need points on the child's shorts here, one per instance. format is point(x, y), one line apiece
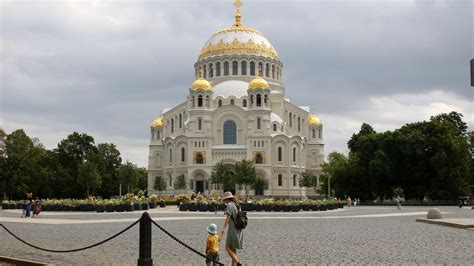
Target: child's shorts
point(212, 256)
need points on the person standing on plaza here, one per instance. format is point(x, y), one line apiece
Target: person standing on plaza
point(37, 208)
point(235, 237)
point(399, 203)
point(349, 201)
point(212, 245)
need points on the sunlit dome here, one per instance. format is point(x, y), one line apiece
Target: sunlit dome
point(201, 84)
point(314, 120)
point(258, 83)
point(157, 122)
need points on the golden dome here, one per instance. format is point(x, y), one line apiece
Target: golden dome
point(314, 120)
point(238, 39)
point(201, 84)
point(157, 122)
point(258, 83)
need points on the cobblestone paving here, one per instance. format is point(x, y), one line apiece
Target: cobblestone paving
point(343, 239)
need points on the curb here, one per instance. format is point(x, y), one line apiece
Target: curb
point(22, 262)
point(448, 222)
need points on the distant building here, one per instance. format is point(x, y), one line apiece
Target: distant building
point(2, 141)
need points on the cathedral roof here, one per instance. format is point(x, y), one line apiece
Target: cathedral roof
point(238, 39)
point(228, 88)
point(275, 118)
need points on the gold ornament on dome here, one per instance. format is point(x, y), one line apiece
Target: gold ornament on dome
point(236, 47)
point(157, 122)
point(201, 84)
point(314, 120)
point(258, 82)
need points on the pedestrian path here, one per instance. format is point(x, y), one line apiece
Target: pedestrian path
point(209, 216)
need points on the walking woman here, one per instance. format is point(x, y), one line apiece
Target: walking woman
point(235, 237)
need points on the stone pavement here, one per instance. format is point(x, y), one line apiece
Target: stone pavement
point(361, 235)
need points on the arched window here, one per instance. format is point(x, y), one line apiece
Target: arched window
point(294, 154)
point(280, 180)
point(259, 158)
point(194, 101)
point(259, 100)
point(299, 124)
point(294, 180)
point(232, 102)
point(230, 132)
point(218, 69)
point(243, 68)
point(258, 123)
point(290, 116)
point(180, 120)
point(204, 70)
point(280, 154)
point(183, 155)
point(158, 135)
point(199, 124)
point(171, 180)
point(260, 69)
point(252, 68)
point(320, 133)
point(199, 158)
point(267, 70)
point(200, 101)
point(172, 125)
point(274, 127)
point(211, 70)
point(314, 133)
point(171, 155)
point(244, 103)
point(226, 68)
point(273, 71)
point(235, 68)
point(219, 103)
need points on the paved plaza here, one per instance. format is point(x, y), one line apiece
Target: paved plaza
point(361, 235)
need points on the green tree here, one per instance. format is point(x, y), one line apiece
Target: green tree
point(245, 174)
point(19, 168)
point(260, 185)
point(180, 183)
point(108, 160)
point(72, 152)
point(222, 175)
point(89, 177)
point(160, 184)
point(335, 175)
point(142, 175)
point(127, 175)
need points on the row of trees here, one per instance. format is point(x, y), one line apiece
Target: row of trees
point(74, 169)
point(429, 158)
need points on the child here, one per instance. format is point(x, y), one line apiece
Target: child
point(212, 245)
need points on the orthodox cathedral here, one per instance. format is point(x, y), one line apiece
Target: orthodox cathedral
point(236, 110)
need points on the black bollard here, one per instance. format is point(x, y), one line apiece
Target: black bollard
point(144, 258)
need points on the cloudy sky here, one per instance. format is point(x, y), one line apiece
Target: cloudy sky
point(107, 68)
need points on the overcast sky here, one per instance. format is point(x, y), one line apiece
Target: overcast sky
point(107, 68)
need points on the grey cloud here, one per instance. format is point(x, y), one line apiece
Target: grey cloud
point(111, 68)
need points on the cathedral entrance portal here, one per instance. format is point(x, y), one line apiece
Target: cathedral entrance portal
point(199, 183)
point(200, 186)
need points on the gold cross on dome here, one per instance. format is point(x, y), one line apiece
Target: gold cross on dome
point(238, 4)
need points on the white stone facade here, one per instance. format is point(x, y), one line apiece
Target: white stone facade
point(232, 122)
